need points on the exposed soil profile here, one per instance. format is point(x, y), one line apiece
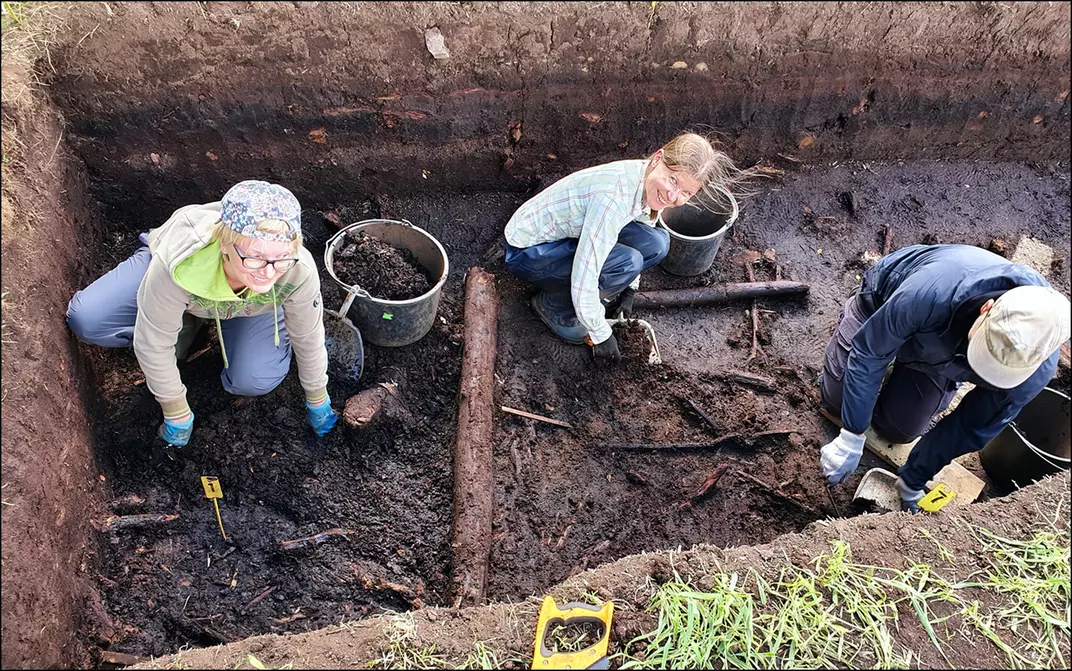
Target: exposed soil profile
point(386, 272)
point(876, 127)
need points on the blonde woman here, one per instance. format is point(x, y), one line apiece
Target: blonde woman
point(585, 239)
point(238, 262)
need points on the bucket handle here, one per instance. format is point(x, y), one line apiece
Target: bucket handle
point(1038, 452)
point(351, 294)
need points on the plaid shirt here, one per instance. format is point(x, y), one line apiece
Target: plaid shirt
point(592, 205)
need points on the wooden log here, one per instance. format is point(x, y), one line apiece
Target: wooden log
point(765, 383)
point(474, 485)
point(718, 293)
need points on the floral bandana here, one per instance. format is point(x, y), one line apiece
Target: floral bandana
point(248, 203)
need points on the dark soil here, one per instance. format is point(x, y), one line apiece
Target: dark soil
point(633, 343)
point(564, 501)
point(384, 271)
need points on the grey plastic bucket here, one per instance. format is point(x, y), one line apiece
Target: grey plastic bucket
point(392, 323)
point(696, 233)
point(1035, 444)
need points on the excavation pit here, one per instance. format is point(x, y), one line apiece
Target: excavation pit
point(455, 147)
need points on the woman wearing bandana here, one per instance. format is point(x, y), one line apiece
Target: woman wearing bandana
point(238, 262)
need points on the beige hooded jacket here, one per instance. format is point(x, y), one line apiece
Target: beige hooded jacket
point(181, 280)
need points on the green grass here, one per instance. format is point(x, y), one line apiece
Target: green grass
point(483, 657)
point(845, 614)
point(403, 649)
point(10, 14)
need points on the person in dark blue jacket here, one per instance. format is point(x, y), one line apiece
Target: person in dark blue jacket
point(942, 315)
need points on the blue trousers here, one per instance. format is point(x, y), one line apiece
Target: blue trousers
point(104, 312)
point(550, 264)
point(907, 403)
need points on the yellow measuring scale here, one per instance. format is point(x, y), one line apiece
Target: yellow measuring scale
point(592, 657)
point(214, 492)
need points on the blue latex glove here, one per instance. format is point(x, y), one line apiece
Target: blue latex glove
point(841, 456)
point(177, 434)
point(909, 497)
point(321, 417)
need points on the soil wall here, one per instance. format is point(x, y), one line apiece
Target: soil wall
point(51, 489)
point(177, 101)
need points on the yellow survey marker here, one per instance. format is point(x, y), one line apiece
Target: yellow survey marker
point(214, 492)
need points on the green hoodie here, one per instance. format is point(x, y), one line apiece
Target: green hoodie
point(186, 275)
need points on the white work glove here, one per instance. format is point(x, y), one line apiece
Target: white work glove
point(841, 456)
point(909, 497)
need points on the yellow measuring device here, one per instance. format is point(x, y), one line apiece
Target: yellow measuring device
point(592, 657)
point(215, 492)
point(937, 497)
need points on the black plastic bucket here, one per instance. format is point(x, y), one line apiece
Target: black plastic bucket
point(696, 233)
point(1035, 444)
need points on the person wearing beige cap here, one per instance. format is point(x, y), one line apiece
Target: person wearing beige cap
point(941, 315)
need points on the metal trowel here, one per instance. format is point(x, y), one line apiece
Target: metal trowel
point(346, 349)
point(879, 486)
point(649, 332)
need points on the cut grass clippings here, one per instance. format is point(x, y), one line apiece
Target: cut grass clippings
point(843, 614)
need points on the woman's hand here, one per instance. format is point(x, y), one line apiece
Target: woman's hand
point(321, 417)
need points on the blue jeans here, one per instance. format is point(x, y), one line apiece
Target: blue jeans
point(104, 312)
point(550, 264)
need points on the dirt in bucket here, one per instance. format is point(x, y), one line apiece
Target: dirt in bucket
point(384, 271)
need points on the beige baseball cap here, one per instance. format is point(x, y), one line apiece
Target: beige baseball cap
point(1019, 332)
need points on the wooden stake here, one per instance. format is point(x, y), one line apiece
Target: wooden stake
point(764, 383)
point(708, 484)
point(887, 239)
point(315, 539)
point(755, 314)
point(114, 523)
point(707, 418)
point(474, 484)
point(538, 418)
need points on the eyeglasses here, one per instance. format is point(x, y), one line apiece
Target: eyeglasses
point(256, 263)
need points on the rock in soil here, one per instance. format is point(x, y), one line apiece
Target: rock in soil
point(384, 271)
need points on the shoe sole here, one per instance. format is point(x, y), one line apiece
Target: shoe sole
point(535, 303)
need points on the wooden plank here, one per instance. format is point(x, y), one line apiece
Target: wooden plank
point(965, 483)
